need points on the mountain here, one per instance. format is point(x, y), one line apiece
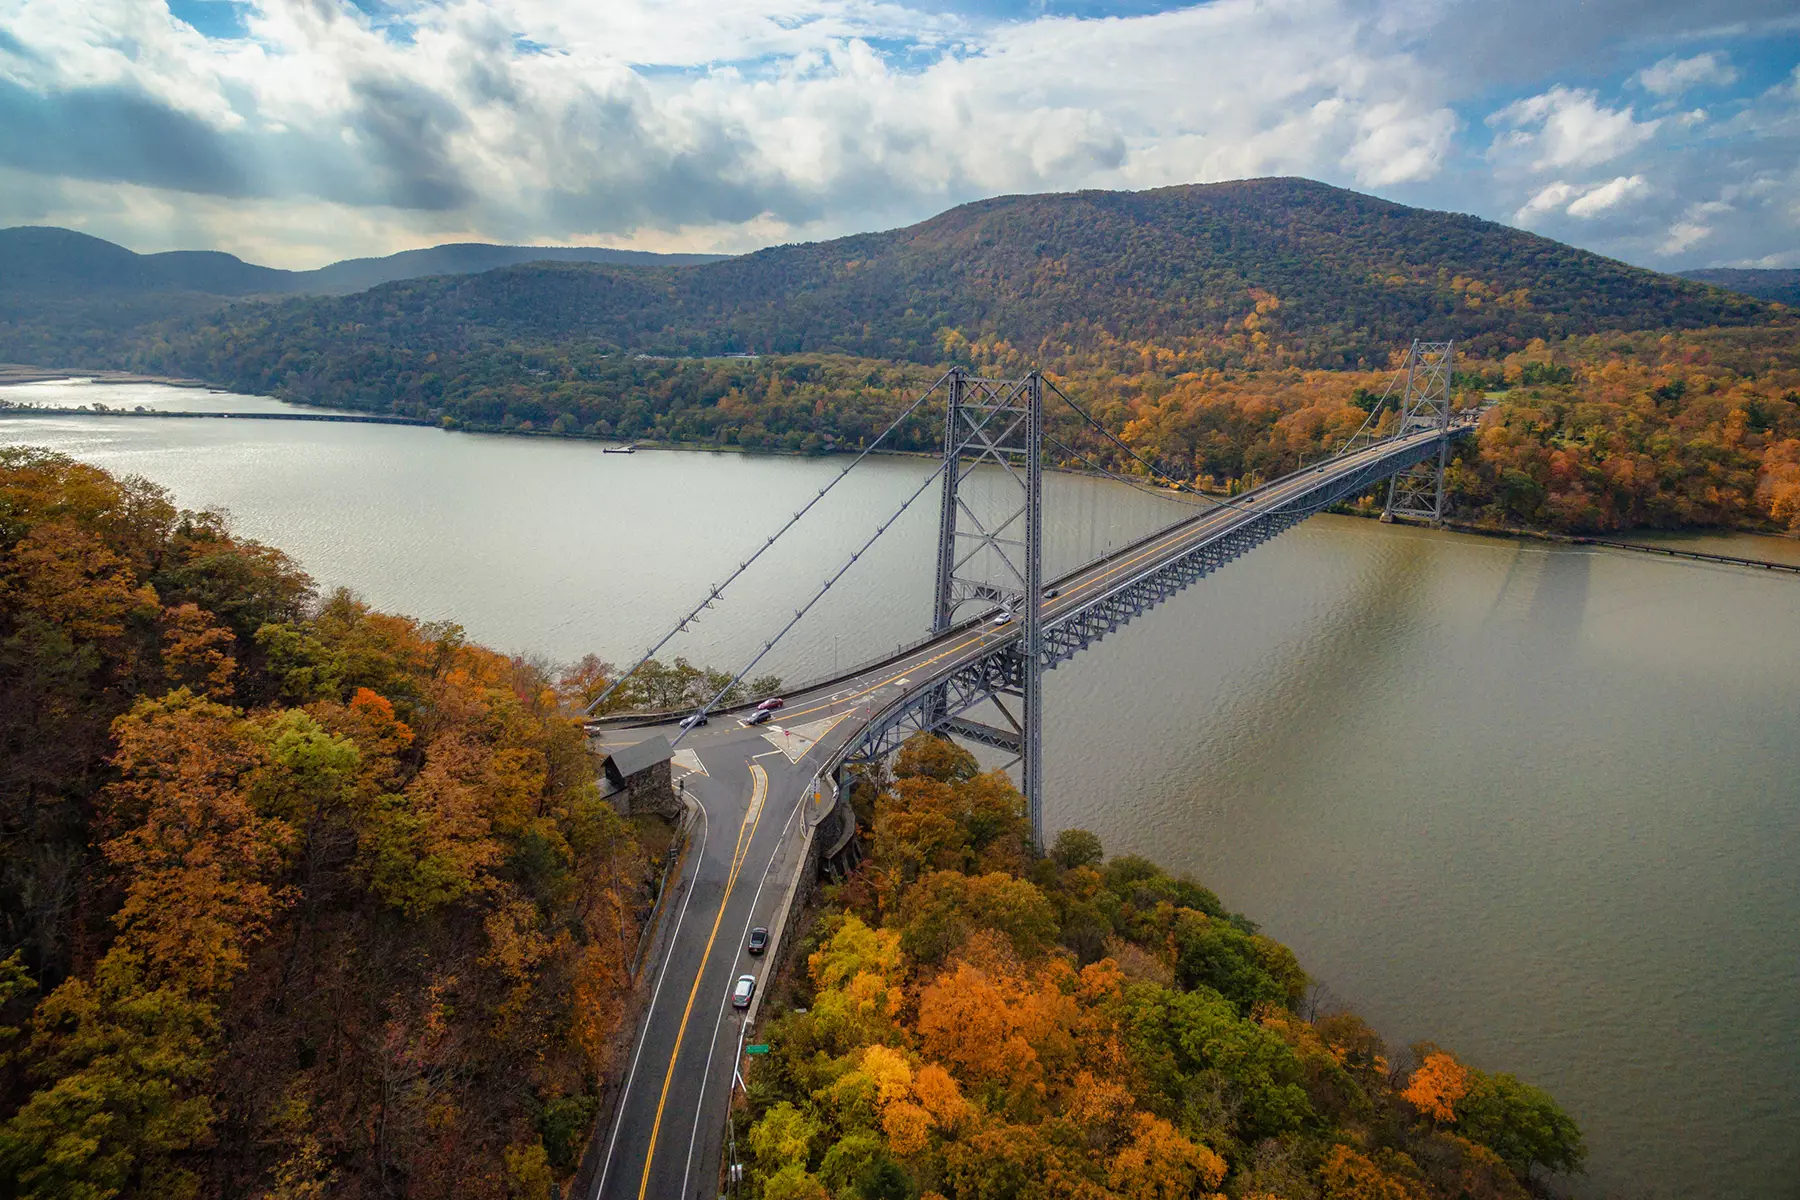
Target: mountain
point(1271, 270)
point(467, 258)
point(1781, 286)
point(44, 260)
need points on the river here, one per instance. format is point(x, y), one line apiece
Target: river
point(1539, 804)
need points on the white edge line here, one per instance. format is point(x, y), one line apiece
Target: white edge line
point(650, 1012)
point(706, 1071)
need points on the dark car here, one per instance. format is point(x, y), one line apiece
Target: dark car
point(698, 718)
point(1052, 593)
point(761, 715)
point(771, 704)
point(759, 940)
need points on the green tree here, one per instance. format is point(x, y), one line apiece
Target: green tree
point(1521, 1123)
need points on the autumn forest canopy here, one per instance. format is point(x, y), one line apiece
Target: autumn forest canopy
point(973, 1021)
point(296, 898)
point(1226, 330)
point(301, 899)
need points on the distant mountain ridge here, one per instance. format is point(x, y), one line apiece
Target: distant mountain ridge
point(1781, 286)
point(45, 259)
point(1272, 271)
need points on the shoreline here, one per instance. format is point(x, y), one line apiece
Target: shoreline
point(18, 373)
point(15, 373)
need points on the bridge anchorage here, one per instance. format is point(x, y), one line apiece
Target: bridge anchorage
point(991, 556)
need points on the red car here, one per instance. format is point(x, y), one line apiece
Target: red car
point(771, 704)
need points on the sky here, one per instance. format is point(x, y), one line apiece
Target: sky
point(296, 132)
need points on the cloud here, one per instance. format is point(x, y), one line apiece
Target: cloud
point(1583, 201)
point(1674, 76)
point(1694, 226)
point(1568, 127)
point(551, 118)
point(306, 129)
point(1608, 195)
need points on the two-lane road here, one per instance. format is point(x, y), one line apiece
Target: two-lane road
point(753, 789)
point(751, 799)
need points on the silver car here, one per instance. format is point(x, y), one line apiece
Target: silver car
point(746, 988)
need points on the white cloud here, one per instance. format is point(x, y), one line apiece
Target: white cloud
point(1607, 196)
point(1684, 236)
point(1694, 227)
point(1583, 201)
point(1549, 198)
point(561, 119)
point(725, 124)
point(1673, 76)
point(1567, 127)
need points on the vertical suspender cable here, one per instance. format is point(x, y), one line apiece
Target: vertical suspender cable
point(807, 607)
point(720, 587)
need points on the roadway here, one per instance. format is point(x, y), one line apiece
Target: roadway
point(753, 786)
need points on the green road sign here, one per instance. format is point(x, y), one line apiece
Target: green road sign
point(763, 1049)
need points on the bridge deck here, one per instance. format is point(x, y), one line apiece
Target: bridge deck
point(957, 671)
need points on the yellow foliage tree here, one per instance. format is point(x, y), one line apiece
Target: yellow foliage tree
point(1436, 1086)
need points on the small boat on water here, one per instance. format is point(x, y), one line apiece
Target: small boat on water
point(627, 448)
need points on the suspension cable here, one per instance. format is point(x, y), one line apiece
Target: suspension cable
point(720, 587)
point(801, 612)
point(1128, 481)
point(1109, 435)
point(1373, 417)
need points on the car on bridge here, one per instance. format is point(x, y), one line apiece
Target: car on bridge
point(746, 988)
point(1005, 618)
point(771, 704)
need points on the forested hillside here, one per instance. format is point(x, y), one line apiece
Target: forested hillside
point(297, 899)
point(1268, 272)
point(1782, 286)
point(43, 260)
point(1229, 330)
point(977, 1023)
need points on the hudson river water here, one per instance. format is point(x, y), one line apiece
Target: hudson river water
point(1538, 804)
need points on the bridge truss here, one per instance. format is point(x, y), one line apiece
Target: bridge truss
point(1418, 491)
point(1000, 422)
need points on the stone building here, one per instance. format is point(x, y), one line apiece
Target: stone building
point(640, 778)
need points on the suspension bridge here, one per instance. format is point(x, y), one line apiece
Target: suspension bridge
point(769, 803)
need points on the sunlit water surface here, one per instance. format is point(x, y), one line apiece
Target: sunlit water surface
point(1537, 804)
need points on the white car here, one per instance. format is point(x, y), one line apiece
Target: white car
point(1005, 618)
point(746, 988)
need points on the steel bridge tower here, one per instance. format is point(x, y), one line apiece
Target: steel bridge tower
point(991, 551)
point(1425, 404)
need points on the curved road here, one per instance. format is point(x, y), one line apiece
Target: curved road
point(754, 786)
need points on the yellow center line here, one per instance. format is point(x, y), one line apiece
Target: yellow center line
point(746, 834)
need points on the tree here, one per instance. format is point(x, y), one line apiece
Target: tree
point(792, 1182)
point(1436, 1086)
point(1521, 1123)
point(1390, 1175)
point(1160, 1164)
point(1076, 848)
point(783, 1137)
point(124, 1065)
point(925, 755)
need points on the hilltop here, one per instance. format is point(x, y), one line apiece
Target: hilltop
point(1781, 286)
point(41, 259)
point(1328, 277)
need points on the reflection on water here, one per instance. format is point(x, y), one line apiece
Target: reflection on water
point(1533, 802)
